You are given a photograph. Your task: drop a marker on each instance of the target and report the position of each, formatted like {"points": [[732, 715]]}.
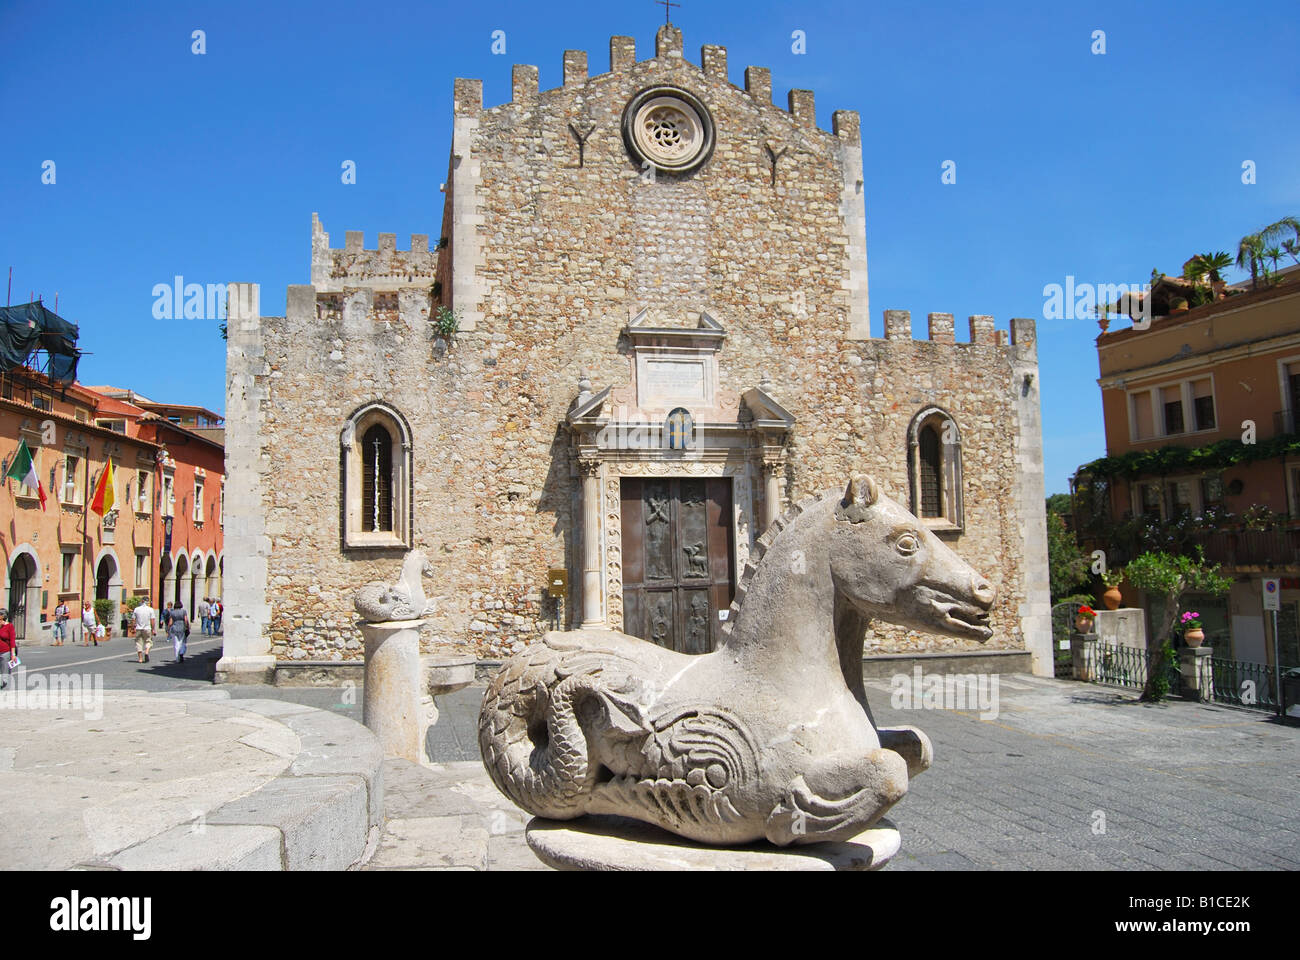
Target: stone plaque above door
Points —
{"points": [[676, 365]]}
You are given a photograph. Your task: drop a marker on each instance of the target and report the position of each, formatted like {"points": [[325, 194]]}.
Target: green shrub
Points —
{"points": [[446, 322], [103, 610]]}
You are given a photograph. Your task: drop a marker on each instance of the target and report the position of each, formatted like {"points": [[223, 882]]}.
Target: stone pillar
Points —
{"points": [[1035, 609], [771, 491], [391, 700], [1083, 653], [591, 606], [245, 645], [1198, 677]]}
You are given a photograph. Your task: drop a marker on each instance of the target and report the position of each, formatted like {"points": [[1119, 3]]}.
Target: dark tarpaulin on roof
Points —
{"points": [[29, 326]]}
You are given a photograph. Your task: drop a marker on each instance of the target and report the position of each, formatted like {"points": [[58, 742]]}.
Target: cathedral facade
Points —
{"points": [[658, 283]]}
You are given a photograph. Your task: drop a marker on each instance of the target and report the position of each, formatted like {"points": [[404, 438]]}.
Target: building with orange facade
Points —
{"points": [[191, 480], [1201, 411], [163, 538]]}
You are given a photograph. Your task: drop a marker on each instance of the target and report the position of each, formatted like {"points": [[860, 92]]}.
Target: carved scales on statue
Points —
{"points": [[770, 736]]}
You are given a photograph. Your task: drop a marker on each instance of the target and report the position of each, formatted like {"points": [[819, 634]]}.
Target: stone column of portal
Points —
{"points": [[771, 492], [391, 705], [591, 606]]}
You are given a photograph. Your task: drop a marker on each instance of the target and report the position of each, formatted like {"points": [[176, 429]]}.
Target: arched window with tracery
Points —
{"points": [[934, 469], [930, 460], [375, 464], [377, 480]]}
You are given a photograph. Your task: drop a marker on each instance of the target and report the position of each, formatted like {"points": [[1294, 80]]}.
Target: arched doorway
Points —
{"points": [[108, 584], [182, 576], [22, 582], [196, 582], [166, 582], [210, 578], [103, 577]]}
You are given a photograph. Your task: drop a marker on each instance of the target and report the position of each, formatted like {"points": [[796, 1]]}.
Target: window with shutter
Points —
{"points": [[931, 473]]}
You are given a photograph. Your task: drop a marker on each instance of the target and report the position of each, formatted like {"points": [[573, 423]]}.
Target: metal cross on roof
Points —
{"points": [[668, 13]]}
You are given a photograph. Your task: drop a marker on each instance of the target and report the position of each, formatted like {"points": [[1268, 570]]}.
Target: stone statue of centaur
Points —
{"points": [[770, 735]]}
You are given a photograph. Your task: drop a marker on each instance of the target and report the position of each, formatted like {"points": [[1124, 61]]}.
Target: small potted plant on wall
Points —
{"points": [[1112, 597], [1084, 619], [1193, 635]]}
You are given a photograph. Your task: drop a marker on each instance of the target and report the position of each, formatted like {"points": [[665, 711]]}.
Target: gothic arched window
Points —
{"points": [[376, 480], [930, 461], [375, 464], [934, 469]]}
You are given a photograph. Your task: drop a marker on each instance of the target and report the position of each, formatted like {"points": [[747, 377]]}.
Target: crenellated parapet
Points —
{"points": [[983, 332], [383, 268], [668, 166], [669, 51]]}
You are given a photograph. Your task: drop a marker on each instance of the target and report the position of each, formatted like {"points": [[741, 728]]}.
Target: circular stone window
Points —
{"points": [[668, 128]]}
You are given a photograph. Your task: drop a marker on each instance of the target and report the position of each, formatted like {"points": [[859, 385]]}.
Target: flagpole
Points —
{"points": [[85, 541]]}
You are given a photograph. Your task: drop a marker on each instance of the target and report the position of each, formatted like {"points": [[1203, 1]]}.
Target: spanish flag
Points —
{"points": [[24, 470], [103, 500]]}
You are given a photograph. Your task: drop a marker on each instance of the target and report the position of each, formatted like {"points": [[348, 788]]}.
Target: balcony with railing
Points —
{"points": [[1252, 548]]}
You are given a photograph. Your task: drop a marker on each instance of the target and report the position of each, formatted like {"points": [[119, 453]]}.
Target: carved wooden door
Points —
{"points": [[678, 567]]}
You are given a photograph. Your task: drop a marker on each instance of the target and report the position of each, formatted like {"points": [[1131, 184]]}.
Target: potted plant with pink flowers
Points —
{"points": [[1193, 635]]}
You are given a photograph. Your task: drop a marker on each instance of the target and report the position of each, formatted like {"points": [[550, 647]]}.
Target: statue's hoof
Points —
{"points": [[909, 743]]}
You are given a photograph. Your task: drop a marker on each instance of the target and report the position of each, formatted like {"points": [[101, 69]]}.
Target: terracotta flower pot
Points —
{"points": [[1083, 624], [1112, 598], [1194, 638]]}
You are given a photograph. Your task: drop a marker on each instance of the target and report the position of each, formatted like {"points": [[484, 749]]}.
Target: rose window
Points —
{"points": [[669, 129]]}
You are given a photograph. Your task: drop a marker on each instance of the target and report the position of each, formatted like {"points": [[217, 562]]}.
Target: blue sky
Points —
{"points": [[1068, 163]]}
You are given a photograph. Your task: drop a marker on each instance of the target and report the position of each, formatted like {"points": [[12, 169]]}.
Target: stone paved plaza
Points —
{"points": [[1180, 785]]}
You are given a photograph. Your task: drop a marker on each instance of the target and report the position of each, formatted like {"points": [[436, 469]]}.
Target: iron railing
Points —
{"points": [[1252, 548], [1123, 666], [1244, 684]]}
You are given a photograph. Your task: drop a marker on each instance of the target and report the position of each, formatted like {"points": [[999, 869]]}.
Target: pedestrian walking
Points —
{"points": [[179, 629], [205, 619], [145, 622], [88, 626], [60, 624], [218, 608], [8, 648]]}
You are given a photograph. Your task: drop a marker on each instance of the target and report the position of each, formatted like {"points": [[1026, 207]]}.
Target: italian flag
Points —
{"points": [[103, 500], [24, 470]]}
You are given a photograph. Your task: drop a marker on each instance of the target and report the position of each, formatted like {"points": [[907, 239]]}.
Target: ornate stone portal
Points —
{"points": [[769, 737]]}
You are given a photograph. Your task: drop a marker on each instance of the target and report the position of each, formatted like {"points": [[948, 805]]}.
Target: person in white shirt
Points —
{"points": [[88, 626], [201, 608], [145, 624]]}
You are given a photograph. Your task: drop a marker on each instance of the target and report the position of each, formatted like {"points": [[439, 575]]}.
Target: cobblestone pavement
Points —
{"points": [[1175, 785], [1066, 776]]}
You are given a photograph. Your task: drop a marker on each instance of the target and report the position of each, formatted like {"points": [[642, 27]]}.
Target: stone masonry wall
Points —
{"points": [[547, 260]]}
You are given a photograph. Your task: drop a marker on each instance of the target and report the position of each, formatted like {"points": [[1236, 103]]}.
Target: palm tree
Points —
{"points": [[1274, 254], [1251, 250], [1206, 266], [1292, 249], [1212, 263]]}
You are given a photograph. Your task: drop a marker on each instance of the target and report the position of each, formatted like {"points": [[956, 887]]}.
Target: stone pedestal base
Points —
{"points": [[440, 675], [1198, 677], [391, 696], [615, 843], [1084, 655], [259, 669]]}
